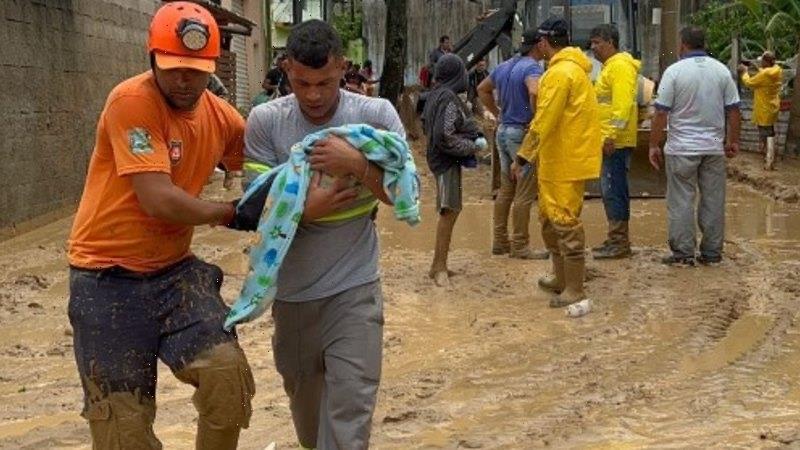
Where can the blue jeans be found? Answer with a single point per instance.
(509, 139)
(614, 185)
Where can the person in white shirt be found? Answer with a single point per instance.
(698, 97)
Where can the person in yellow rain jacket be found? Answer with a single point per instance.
(766, 86)
(616, 98)
(564, 143)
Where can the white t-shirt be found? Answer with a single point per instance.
(696, 91)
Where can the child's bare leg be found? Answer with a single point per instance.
(444, 233)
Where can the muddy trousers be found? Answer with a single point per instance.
(688, 177)
(329, 352)
(560, 205)
(124, 322)
(514, 197)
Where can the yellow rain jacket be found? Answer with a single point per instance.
(766, 86)
(564, 136)
(616, 99)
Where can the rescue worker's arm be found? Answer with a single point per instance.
(336, 157)
(486, 96)
(550, 104)
(623, 96)
(758, 80)
(161, 199)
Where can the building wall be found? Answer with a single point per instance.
(60, 59)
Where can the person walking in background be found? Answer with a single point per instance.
(452, 136)
(274, 85)
(476, 76)
(766, 86)
(564, 142)
(517, 83)
(369, 78)
(698, 99)
(615, 88)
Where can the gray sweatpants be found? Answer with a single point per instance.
(329, 352)
(686, 177)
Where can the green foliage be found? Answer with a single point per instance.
(348, 29)
(760, 25)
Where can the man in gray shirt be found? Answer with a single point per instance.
(698, 96)
(328, 311)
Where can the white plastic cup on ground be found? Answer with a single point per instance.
(579, 309)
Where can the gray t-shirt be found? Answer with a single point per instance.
(325, 258)
(696, 91)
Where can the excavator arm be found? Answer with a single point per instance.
(494, 29)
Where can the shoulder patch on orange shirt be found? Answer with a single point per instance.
(139, 140)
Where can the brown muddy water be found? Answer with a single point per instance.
(670, 358)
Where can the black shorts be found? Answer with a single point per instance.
(765, 132)
(123, 322)
(448, 190)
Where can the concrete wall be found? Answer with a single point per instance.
(59, 59)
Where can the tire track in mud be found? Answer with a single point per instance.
(615, 362)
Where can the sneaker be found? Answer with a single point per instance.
(612, 252)
(672, 260)
(708, 261)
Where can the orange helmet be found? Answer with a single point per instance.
(184, 35)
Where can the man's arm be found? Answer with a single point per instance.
(336, 157)
(551, 100)
(161, 199)
(734, 122)
(532, 83)
(658, 126)
(486, 96)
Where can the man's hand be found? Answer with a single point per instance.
(516, 171)
(321, 201)
(608, 147)
(336, 157)
(741, 68)
(656, 157)
(731, 149)
(489, 116)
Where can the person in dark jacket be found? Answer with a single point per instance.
(453, 139)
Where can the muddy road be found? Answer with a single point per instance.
(670, 358)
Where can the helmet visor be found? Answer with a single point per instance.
(167, 62)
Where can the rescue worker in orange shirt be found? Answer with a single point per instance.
(137, 294)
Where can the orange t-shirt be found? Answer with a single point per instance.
(139, 132)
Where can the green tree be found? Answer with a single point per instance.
(760, 25)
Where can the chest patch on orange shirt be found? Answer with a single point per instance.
(175, 151)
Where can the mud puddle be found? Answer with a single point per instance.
(701, 357)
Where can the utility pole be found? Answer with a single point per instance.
(394, 63)
(670, 29)
(297, 11)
